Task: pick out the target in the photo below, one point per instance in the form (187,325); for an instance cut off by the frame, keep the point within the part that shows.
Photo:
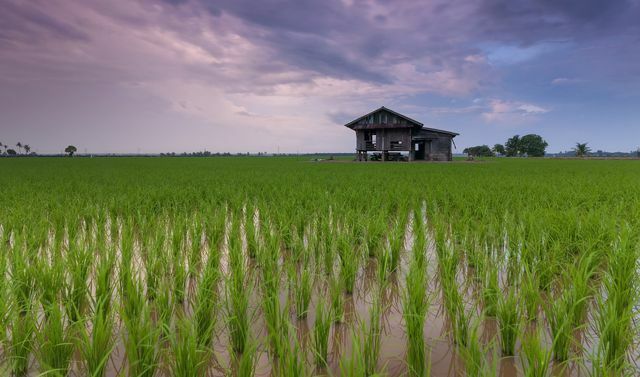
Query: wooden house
(386,133)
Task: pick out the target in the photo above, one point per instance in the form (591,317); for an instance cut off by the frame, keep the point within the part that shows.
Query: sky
(153,76)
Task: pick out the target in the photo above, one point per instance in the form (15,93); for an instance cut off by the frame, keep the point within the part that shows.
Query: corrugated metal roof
(380,126)
(353,122)
(411,124)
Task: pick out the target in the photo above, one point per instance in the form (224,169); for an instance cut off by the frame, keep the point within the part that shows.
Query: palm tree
(27,148)
(19,145)
(582,149)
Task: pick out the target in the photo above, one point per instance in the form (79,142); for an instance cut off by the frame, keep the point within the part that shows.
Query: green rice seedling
(204,312)
(302,289)
(615,338)
(274,315)
(383,265)
(452,299)
(214,231)
(55,343)
(133,301)
(535,358)
(4,308)
(415,307)
(581,277)
(250,231)
(293,360)
(337,298)
(22,278)
(238,319)
(558,313)
(154,263)
(373,335)
(237,300)
(96,341)
(164,307)
(530,294)
(179,277)
(50,279)
(195,250)
(21,345)
(508,315)
(491,291)
(349,263)
(419,238)
(615,314)
(353,364)
(187,358)
(275,318)
(546,265)
(454,306)
(320,334)
(76,297)
(142,343)
(474,354)
(328,246)
(396,244)
(245,364)
(374,236)
(103,282)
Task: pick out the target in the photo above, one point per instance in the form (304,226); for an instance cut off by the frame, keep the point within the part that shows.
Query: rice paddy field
(285,267)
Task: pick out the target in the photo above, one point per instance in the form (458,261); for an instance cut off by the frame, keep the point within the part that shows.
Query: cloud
(514,112)
(565,81)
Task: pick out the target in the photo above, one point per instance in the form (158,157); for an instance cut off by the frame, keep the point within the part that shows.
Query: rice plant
(23,329)
(491,291)
(97,340)
(615,315)
(558,313)
(353,364)
(508,315)
(293,360)
(415,307)
(250,232)
(530,294)
(349,263)
(245,364)
(372,336)
(56,343)
(320,334)
(187,357)
(302,288)
(237,313)
(474,354)
(535,357)
(204,312)
(237,289)
(142,343)
(336,293)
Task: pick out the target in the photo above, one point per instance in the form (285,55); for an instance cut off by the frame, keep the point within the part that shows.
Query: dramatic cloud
(238,75)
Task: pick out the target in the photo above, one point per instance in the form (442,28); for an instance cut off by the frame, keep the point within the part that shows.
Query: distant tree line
(8,150)
(530,145)
(533,145)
